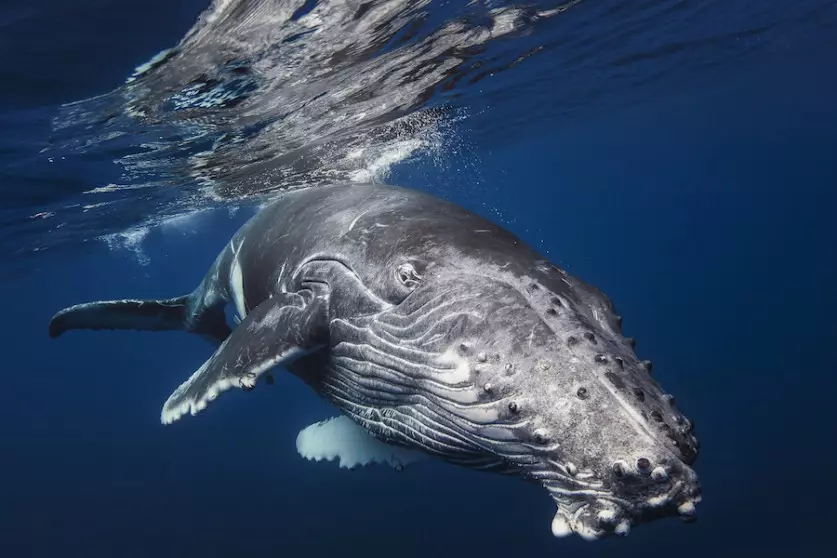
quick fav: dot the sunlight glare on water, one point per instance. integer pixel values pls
(261, 96)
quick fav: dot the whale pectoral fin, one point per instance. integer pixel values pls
(276, 332)
(143, 315)
(147, 315)
(343, 439)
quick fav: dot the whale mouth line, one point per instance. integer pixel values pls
(571, 498)
(562, 494)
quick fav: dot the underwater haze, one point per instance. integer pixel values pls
(679, 155)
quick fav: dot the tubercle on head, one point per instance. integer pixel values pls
(627, 376)
(493, 374)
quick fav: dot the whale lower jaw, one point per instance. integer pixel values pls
(603, 517)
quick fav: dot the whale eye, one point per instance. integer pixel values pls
(407, 275)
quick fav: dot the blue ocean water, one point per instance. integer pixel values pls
(678, 155)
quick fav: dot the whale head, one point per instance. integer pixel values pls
(520, 368)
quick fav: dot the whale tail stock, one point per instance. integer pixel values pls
(146, 315)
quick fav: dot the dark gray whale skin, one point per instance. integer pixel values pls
(435, 329)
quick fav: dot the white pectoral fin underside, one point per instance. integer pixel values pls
(342, 439)
(274, 333)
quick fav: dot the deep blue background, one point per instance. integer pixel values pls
(707, 214)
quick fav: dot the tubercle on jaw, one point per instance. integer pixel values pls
(591, 522)
(560, 526)
(597, 519)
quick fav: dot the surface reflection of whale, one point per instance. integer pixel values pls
(435, 333)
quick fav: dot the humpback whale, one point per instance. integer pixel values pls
(436, 334)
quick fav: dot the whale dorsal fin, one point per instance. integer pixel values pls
(279, 330)
(342, 439)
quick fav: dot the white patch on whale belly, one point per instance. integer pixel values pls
(343, 439)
